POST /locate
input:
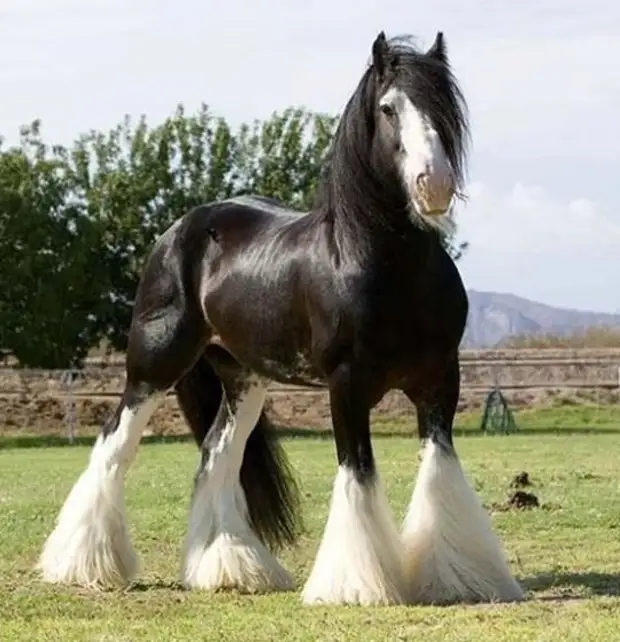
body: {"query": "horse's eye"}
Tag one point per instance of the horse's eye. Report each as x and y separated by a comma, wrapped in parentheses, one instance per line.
(388, 110)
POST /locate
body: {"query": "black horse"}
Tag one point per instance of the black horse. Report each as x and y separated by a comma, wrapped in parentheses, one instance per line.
(358, 295)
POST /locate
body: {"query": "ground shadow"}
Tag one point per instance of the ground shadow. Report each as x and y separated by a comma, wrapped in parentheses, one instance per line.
(607, 584)
(155, 585)
(599, 584)
(8, 442)
(542, 430)
(62, 441)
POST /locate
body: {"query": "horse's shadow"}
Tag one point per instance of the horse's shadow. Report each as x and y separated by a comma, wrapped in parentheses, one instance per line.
(601, 584)
(563, 587)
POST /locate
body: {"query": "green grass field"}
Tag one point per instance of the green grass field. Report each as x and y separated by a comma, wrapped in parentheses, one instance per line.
(566, 554)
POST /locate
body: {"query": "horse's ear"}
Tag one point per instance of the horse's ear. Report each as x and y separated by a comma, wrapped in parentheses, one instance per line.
(379, 53)
(438, 48)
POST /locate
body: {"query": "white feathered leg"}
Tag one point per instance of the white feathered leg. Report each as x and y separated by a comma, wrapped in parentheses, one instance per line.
(221, 549)
(90, 545)
(359, 559)
(451, 552)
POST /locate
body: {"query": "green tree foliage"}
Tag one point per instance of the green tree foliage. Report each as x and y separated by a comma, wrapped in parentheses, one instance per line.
(76, 223)
(47, 308)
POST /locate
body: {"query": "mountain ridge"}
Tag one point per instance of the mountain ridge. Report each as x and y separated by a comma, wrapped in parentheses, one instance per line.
(496, 316)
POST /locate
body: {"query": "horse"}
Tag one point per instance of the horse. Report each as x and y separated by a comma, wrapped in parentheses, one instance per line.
(357, 296)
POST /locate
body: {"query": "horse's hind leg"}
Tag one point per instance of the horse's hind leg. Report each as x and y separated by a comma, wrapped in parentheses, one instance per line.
(359, 558)
(451, 552)
(222, 549)
(90, 544)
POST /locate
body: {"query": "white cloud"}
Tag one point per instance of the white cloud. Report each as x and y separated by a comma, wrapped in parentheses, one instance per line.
(525, 241)
(527, 220)
(545, 95)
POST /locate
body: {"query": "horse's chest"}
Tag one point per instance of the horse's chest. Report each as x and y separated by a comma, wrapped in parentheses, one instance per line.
(402, 329)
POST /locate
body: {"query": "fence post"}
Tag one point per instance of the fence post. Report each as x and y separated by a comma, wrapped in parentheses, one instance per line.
(66, 380)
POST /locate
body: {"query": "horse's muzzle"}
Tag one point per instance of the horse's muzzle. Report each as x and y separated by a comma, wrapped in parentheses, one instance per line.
(434, 192)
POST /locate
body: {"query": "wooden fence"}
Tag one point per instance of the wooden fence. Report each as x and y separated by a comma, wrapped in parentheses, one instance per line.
(55, 400)
(480, 371)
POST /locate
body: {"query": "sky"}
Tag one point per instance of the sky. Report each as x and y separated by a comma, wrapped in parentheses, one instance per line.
(540, 76)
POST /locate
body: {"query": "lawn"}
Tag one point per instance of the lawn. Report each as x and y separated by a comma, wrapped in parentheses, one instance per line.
(566, 554)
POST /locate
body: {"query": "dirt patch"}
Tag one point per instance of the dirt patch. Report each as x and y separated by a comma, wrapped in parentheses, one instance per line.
(522, 501)
(519, 500)
(45, 411)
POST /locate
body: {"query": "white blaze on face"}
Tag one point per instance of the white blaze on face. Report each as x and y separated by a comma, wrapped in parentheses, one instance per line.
(424, 166)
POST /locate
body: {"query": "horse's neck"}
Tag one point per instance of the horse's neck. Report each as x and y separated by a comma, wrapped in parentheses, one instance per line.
(370, 243)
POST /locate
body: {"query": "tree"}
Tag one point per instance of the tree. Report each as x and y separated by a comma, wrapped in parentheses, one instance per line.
(135, 182)
(48, 261)
(283, 156)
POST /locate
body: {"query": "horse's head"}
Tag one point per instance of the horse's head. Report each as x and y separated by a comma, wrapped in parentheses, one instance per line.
(420, 123)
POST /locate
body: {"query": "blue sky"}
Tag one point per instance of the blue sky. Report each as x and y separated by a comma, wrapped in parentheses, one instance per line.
(541, 79)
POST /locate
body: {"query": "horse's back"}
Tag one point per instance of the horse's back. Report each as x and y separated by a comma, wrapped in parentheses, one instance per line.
(209, 234)
(244, 217)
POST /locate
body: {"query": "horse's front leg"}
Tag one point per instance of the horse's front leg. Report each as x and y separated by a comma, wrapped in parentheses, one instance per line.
(451, 552)
(359, 558)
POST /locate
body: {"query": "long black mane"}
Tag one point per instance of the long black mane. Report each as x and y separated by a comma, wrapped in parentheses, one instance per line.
(359, 186)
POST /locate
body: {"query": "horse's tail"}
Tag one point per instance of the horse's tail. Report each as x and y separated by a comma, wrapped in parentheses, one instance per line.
(266, 476)
(270, 487)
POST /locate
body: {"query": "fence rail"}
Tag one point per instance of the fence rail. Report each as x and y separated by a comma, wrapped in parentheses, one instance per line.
(66, 398)
(299, 390)
(479, 371)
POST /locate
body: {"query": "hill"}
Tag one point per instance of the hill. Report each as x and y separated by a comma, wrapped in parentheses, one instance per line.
(494, 316)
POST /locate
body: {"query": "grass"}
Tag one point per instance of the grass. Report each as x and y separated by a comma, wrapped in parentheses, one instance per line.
(567, 554)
